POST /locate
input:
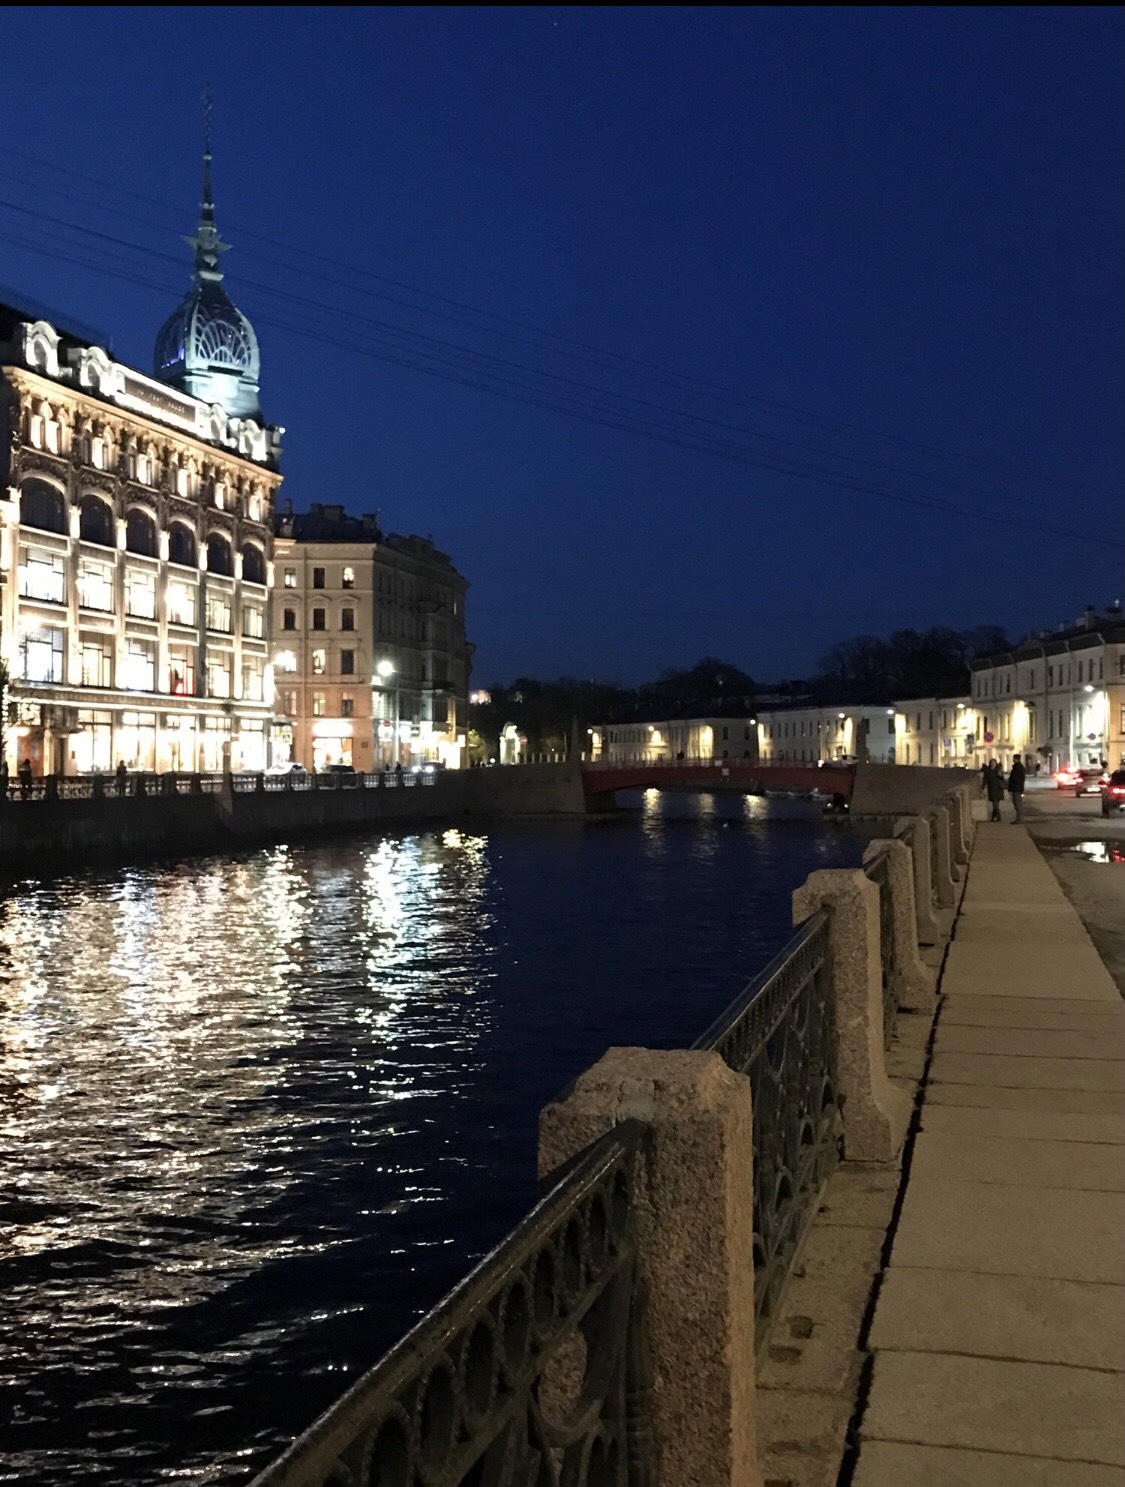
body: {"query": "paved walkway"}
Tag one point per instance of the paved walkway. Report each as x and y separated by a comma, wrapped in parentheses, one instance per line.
(998, 1333)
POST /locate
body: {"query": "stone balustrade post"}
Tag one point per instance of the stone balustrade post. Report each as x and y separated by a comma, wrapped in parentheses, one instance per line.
(875, 1113)
(696, 1250)
(945, 884)
(914, 982)
(931, 930)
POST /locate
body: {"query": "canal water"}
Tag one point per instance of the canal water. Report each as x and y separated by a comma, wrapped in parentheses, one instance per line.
(258, 1114)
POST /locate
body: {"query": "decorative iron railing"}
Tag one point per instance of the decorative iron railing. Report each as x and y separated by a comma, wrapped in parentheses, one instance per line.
(139, 783)
(878, 870)
(533, 1370)
(782, 1033)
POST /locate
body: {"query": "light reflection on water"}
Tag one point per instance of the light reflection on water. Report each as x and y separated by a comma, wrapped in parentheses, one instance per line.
(256, 1114)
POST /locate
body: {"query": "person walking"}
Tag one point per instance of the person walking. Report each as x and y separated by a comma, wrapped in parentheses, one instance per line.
(122, 776)
(994, 788)
(24, 772)
(1016, 782)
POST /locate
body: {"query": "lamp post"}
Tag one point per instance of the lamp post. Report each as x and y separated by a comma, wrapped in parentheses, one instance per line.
(385, 669)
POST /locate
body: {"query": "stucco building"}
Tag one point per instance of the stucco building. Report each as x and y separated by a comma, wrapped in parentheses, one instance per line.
(136, 538)
(811, 735)
(369, 650)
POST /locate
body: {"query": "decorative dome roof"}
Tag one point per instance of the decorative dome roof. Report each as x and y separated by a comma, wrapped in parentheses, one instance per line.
(207, 347)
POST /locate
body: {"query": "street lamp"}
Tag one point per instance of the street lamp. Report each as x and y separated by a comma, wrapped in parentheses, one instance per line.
(386, 670)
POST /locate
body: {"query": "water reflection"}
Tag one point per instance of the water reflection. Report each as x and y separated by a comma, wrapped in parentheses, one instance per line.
(256, 1114)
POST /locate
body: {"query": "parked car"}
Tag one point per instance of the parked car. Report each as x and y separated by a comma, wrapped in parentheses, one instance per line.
(298, 771)
(1086, 780)
(347, 769)
(1113, 792)
(430, 766)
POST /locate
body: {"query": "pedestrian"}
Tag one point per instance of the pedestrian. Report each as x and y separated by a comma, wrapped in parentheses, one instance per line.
(24, 772)
(994, 787)
(122, 777)
(1016, 781)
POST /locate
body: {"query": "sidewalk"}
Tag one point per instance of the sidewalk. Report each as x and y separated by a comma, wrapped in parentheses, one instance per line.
(998, 1332)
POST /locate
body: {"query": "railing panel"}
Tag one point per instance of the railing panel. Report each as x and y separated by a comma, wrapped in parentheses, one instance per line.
(531, 1371)
(782, 1032)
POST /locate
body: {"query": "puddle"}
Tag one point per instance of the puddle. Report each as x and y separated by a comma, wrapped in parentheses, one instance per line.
(1091, 851)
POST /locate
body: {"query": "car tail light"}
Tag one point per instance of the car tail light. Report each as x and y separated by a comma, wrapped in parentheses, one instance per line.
(1117, 789)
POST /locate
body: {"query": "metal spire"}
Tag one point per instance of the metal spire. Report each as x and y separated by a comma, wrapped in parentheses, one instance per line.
(206, 242)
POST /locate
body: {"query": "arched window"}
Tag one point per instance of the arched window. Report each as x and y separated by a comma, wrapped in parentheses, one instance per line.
(140, 533)
(42, 506)
(181, 545)
(219, 558)
(96, 522)
(253, 563)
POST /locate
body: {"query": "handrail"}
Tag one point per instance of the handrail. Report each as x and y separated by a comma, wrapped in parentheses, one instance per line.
(781, 1032)
(461, 1392)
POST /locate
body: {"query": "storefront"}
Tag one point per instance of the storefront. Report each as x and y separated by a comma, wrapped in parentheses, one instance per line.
(91, 748)
(136, 741)
(331, 742)
(251, 746)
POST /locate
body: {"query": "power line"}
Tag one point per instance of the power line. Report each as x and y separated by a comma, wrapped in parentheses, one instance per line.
(582, 350)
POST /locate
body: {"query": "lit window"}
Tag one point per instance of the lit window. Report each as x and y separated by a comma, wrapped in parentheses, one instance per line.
(319, 661)
(253, 622)
(252, 679)
(181, 604)
(41, 655)
(218, 616)
(181, 674)
(140, 666)
(348, 579)
(218, 676)
(42, 576)
(285, 661)
(97, 662)
(319, 705)
(95, 585)
(290, 578)
(140, 595)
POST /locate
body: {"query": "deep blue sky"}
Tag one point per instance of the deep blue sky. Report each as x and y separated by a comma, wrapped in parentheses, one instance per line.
(906, 220)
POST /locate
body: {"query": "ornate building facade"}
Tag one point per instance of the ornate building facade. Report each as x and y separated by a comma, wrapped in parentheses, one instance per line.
(136, 541)
(369, 648)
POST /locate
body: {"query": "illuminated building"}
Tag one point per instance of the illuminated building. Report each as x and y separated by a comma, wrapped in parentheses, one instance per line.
(843, 733)
(135, 540)
(369, 651)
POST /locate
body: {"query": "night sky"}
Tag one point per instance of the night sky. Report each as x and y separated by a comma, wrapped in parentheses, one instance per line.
(881, 247)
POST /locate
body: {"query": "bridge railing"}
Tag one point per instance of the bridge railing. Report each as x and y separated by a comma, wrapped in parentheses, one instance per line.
(535, 1368)
(707, 761)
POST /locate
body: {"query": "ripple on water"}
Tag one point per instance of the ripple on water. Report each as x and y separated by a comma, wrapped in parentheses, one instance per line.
(257, 1114)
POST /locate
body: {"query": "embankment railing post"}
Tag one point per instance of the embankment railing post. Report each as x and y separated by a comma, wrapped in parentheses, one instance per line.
(914, 982)
(695, 1247)
(944, 886)
(875, 1113)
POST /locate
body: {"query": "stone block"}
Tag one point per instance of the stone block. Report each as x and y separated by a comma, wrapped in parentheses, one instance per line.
(991, 1070)
(1038, 1409)
(1034, 1012)
(1029, 1318)
(1029, 1163)
(803, 1436)
(1023, 1042)
(860, 1197)
(1061, 1101)
(890, 1464)
(1062, 1234)
(973, 1124)
(695, 1246)
(875, 1114)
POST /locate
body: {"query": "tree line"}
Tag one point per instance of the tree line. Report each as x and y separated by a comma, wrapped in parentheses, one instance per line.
(865, 669)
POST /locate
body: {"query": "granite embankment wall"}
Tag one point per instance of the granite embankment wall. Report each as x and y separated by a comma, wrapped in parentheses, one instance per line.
(902, 790)
(57, 833)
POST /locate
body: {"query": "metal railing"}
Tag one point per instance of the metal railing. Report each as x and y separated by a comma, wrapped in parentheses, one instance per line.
(533, 1370)
(142, 783)
(878, 870)
(781, 1032)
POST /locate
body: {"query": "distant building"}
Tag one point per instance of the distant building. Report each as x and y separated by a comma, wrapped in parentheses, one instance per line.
(830, 734)
(369, 650)
(135, 540)
(935, 731)
(659, 742)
